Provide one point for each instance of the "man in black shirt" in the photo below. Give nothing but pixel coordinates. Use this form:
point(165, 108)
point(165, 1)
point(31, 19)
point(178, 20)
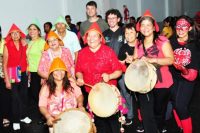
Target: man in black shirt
point(114, 36)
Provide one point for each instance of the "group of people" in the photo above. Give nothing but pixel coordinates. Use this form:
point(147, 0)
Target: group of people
point(55, 69)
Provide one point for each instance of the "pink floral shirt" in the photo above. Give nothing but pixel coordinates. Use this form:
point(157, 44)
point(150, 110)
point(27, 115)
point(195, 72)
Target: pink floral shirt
point(56, 104)
point(47, 58)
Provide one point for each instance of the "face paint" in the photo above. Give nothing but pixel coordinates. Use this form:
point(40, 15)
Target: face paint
point(182, 24)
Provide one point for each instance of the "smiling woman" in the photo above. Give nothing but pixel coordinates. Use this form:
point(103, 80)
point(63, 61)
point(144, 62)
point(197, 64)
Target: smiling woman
point(15, 66)
point(184, 72)
point(154, 49)
point(34, 53)
point(53, 49)
point(59, 93)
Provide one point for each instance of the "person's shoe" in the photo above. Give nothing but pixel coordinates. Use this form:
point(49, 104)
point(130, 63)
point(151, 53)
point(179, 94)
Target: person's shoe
point(164, 130)
point(128, 122)
point(180, 130)
point(6, 122)
point(140, 129)
point(16, 126)
point(26, 120)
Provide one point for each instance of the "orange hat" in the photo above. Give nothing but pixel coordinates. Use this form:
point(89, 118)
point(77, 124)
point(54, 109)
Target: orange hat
point(12, 29)
point(57, 64)
point(147, 14)
point(94, 26)
point(52, 34)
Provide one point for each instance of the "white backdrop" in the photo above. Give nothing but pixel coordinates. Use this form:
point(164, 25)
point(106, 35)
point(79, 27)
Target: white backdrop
point(23, 12)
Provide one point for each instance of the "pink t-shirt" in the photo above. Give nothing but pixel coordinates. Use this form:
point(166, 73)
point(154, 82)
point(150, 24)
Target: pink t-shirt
point(47, 58)
point(164, 75)
point(57, 104)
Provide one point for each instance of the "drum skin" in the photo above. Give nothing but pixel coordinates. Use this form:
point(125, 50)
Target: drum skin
point(73, 121)
point(140, 76)
point(104, 99)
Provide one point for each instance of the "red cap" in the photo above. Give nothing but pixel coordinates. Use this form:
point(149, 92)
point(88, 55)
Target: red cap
point(147, 13)
point(94, 26)
point(14, 28)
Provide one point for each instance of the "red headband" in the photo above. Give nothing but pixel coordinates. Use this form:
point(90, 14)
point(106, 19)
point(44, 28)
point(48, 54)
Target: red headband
point(182, 24)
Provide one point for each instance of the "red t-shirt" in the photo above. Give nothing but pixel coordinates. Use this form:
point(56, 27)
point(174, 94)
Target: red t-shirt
point(93, 64)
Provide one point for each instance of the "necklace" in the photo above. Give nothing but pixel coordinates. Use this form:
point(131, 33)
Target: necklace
point(56, 53)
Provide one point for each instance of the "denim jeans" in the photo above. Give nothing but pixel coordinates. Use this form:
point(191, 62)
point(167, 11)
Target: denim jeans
point(128, 97)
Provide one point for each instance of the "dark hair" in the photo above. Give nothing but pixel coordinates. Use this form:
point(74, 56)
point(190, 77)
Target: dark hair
point(115, 12)
point(52, 85)
point(138, 19)
point(99, 16)
point(130, 26)
point(191, 36)
point(0, 34)
point(36, 28)
point(68, 16)
point(133, 18)
point(48, 23)
point(79, 23)
point(170, 20)
point(141, 36)
point(91, 3)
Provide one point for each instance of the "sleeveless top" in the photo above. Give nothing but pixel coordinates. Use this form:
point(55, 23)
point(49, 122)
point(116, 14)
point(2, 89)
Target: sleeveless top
point(155, 51)
point(16, 57)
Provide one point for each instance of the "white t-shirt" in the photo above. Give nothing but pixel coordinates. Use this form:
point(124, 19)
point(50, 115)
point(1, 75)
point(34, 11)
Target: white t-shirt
point(71, 42)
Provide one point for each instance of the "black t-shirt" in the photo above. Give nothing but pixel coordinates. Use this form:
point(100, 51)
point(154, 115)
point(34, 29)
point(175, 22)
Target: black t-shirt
point(122, 52)
point(186, 54)
point(114, 39)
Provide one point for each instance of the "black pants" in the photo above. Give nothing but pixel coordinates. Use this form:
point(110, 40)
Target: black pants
point(146, 103)
point(161, 98)
point(35, 86)
point(182, 92)
point(19, 94)
point(5, 101)
point(107, 125)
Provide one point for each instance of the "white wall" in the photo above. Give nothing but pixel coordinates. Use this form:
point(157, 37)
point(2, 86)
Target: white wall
point(175, 7)
point(23, 12)
point(157, 8)
point(190, 7)
point(131, 4)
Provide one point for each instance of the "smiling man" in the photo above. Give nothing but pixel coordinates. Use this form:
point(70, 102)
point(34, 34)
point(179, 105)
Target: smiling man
point(114, 36)
point(91, 10)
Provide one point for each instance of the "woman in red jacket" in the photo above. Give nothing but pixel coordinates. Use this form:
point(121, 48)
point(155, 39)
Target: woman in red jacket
point(16, 79)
